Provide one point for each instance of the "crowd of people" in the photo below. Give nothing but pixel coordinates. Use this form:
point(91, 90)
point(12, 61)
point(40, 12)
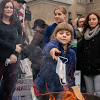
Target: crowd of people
point(52, 46)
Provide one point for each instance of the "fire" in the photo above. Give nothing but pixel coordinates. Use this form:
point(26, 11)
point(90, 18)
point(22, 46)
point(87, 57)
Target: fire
point(51, 97)
point(66, 95)
point(69, 96)
point(65, 89)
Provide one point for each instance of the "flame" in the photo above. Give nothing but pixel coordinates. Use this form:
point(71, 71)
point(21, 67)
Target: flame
point(51, 97)
point(66, 95)
point(65, 89)
point(69, 96)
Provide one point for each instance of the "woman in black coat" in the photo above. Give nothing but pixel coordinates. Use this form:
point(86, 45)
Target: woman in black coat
point(89, 53)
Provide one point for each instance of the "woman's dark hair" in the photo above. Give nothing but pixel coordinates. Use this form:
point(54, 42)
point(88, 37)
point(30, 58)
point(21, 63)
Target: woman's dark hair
point(39, 22)
point(2, 6)
point(86, 24)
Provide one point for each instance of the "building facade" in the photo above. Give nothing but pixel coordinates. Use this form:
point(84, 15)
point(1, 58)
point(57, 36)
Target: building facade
point(44, 9)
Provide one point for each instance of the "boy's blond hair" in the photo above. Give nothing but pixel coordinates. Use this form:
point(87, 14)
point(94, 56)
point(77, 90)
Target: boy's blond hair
point(62, 9)
point(60, 27)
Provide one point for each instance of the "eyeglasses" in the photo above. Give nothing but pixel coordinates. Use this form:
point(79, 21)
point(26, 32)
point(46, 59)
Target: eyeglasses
point(6, 7)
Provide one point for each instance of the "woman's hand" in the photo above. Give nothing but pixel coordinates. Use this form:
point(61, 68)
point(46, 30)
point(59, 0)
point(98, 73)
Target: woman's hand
point(13, 59)
point(53, 52)
point(26, 42)
point(18, 48)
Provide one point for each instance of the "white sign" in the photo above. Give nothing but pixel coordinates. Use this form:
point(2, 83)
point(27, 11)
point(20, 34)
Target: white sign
point(25, 67)
point(78, 79)
point(22, 98)
point(23, 90)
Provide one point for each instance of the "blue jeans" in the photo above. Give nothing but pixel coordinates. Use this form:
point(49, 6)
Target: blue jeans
point(93, 84)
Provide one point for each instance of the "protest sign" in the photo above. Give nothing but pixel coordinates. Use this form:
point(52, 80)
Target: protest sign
point(23, 90)
point(78, 78)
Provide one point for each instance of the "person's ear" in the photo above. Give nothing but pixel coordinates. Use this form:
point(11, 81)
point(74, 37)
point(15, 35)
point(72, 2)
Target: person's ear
point(65, 15)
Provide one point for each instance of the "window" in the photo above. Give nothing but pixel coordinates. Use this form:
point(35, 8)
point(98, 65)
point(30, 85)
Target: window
point(91, 1)
point(69, 15)
point(79, 1)
point(79, 15)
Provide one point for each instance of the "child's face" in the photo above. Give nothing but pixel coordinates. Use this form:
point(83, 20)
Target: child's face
point(59, 16)
point(64, 36)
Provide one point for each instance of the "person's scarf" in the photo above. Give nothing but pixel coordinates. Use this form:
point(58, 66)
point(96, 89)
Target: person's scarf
point(89, 34)
point(80, 29)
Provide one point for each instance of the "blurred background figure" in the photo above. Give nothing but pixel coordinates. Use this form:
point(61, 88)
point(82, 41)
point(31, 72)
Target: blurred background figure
point(79, 34)
point(60, 14)
point(27, 21)
point(70, 21)
point(18, 4)
point(79, 28)
point(34, 49)
point(74, 46)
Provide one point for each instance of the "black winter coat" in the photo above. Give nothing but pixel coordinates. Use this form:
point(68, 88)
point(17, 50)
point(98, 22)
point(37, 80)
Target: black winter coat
point(88, 60)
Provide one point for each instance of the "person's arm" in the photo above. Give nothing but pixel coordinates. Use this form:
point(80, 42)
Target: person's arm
point(18, 38)
point(53, 52)
point(37, 40)
point(18, 48)
point(13, 59)
point(19, 30)
point(51, 49)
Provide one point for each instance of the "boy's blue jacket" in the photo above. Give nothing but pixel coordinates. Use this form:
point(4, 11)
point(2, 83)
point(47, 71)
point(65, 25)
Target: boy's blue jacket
point(48, 75)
